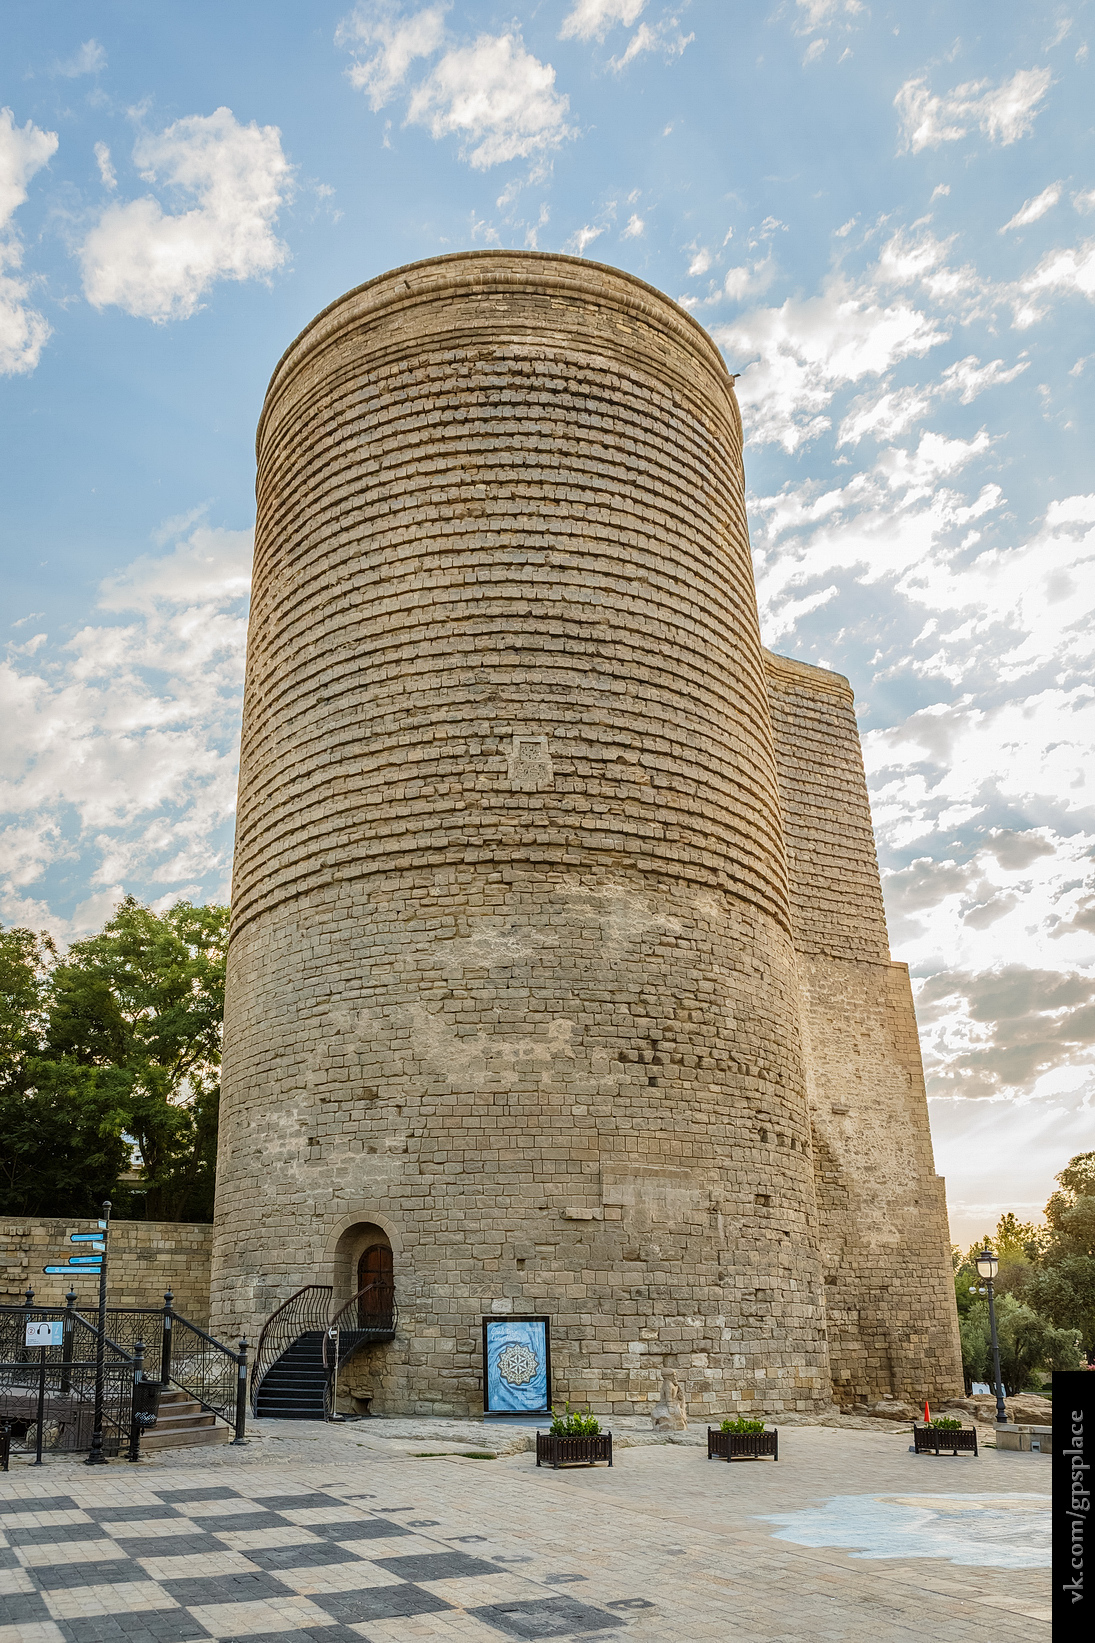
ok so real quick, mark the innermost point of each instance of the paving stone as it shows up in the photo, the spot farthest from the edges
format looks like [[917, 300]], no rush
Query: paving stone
[[436, 1566], [216, 1589], [358, 1529], [215, 1492], [133, 1514], [108, 1572], [21, 1608], [55, 1534], [299, 1557], [380, 1603], [546, 1617]]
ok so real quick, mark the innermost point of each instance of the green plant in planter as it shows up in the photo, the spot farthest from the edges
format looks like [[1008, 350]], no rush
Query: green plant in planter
[[945, 1423], [573, 1424], [742, 1424]]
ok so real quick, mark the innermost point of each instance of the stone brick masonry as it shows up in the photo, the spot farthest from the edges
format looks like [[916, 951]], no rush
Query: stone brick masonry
[[525, 979], [146, 1258]]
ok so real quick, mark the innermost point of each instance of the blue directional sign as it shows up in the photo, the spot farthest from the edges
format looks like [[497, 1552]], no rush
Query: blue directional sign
[[95, 1261], [86, 1238], [74, 1271]]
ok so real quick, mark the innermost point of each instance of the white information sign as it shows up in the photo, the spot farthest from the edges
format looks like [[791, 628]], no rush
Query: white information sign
[[45, 1334]]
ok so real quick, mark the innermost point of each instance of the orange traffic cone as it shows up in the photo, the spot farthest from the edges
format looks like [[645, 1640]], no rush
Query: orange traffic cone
[[927, 1413]]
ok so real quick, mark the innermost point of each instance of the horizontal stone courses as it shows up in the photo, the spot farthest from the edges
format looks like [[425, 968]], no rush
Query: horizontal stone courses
[[358, 318]]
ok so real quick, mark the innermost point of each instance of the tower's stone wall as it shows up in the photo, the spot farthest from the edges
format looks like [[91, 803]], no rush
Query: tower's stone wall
[[513, 976], [882, 1212], [511, 971]]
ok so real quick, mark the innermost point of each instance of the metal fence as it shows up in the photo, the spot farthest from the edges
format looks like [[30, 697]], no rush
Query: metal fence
[[176, 1352], [180, 1354], [47, 1394]]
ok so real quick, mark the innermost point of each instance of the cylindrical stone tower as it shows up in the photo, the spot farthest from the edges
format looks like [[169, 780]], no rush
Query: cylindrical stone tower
[[511, 987]]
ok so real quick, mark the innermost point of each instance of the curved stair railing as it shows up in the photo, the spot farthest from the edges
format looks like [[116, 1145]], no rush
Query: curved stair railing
[[370, 1315], [304, 1312]]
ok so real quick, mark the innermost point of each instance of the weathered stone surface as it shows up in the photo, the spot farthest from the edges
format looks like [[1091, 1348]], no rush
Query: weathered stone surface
[[146, 1258], [517, 980]]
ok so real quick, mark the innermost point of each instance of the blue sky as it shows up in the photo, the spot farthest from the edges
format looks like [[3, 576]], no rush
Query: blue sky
[[885, 214]]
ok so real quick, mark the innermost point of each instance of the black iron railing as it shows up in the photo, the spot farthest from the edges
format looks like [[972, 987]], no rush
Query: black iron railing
[[370, 1315], [47, 1394], [304, 1311], [189, 1358]]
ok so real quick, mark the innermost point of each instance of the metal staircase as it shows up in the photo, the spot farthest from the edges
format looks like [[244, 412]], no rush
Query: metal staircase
[[302, 1347], [295, 1385]]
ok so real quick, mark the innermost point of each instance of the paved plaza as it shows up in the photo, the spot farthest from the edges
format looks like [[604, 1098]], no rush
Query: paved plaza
[[391, 1532]]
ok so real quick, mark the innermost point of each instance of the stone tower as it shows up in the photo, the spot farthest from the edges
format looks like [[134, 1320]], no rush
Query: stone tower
[[534, 980]]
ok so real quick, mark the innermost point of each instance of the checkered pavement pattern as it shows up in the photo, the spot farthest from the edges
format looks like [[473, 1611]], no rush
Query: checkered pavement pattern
[[276, 1565]]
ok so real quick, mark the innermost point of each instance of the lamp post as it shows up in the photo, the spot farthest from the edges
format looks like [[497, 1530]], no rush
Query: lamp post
[[987, 1268]]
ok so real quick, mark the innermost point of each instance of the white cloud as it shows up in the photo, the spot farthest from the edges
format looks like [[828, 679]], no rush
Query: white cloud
[[158, 266], [819, 14], [1034, 208], [592, 19], [886, 414], [393, 43], [577, 243], [24, 331], [90, 58], [664, 36], [107, 174], [23, 151], [635, 227], [1070, 269], [496, 97], [1084, 201], [493, 95], [123, 744], [1004, 113], [797, 355]]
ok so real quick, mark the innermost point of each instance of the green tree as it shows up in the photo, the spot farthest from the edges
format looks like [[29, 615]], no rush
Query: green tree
[[112, 1049], [1062, 1285], [63, 1147], [141, 1005], [1028, 1344]]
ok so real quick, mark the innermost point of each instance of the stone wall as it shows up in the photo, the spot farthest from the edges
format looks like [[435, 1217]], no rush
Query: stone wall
[[541, 969], [146, 1258], [884, 1239], [511, 973]]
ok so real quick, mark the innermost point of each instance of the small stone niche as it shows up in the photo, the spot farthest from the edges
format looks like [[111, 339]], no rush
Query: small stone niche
[[530, 766]]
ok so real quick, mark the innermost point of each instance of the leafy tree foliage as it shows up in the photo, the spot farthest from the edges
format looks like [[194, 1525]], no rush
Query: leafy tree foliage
[[1045, 1288], [61, 1151], [1062, 1286], [1029, 1344], [110, 1050]]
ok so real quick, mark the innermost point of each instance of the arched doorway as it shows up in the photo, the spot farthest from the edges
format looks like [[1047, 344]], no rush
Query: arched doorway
[[376, 1287]]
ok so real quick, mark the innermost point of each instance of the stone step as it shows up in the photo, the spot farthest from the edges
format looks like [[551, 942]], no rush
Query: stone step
[[193, 1435], [173, 1420]]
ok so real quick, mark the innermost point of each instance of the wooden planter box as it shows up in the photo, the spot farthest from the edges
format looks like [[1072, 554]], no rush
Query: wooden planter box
[[927, 1440], [558, 1451], [741, 1445]]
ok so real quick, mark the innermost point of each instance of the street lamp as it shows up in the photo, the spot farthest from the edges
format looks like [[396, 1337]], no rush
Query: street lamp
[[987, 1267]]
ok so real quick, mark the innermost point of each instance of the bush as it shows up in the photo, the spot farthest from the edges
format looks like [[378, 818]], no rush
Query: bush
[[742, 1424], [573, 1424], [945, 1423]]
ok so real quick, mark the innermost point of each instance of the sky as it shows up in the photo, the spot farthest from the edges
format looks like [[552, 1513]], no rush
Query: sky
[[885, 216]]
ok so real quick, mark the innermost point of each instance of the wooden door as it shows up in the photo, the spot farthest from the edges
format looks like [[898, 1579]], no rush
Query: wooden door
[[374, 1275]]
